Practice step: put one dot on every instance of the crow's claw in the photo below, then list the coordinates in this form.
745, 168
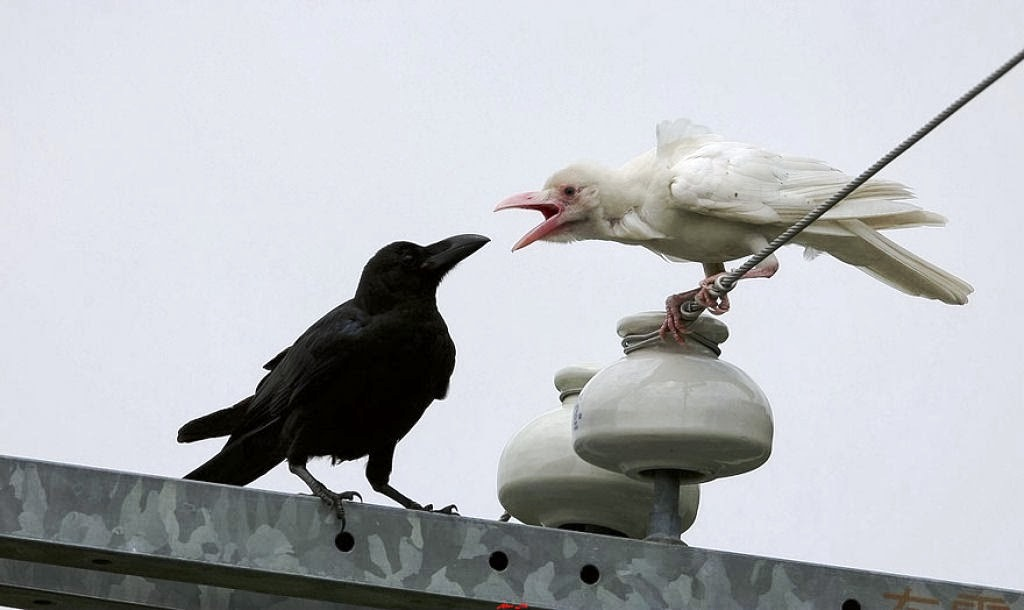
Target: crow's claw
451, 509
336, 501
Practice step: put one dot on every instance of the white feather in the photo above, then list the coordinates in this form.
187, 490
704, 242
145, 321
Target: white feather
698, 197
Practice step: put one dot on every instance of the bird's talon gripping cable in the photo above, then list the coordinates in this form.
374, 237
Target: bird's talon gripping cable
711, 296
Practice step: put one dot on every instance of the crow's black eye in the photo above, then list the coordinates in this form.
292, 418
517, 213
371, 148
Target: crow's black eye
569, 191
408, 258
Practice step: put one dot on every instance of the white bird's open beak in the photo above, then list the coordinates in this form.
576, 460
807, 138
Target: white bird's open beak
543, 202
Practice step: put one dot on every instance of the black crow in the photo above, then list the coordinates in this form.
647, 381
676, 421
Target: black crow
352, 385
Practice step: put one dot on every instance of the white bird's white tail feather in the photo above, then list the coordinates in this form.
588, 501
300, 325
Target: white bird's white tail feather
885, 260
892, 216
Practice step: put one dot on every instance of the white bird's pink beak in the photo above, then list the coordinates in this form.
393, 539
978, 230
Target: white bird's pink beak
541, 201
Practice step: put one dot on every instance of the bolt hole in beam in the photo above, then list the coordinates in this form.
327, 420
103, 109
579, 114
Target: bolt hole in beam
589, 574
498, 561
344, 542
850, 604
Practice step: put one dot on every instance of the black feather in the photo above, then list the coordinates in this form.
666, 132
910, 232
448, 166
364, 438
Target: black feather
353, 384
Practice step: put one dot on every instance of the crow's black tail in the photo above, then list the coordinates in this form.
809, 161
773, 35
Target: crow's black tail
243, 459
234, 466
218, 423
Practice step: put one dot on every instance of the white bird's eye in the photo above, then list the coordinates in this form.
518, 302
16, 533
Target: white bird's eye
569, 191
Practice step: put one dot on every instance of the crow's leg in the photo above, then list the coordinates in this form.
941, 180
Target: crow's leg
378, 472
331, 498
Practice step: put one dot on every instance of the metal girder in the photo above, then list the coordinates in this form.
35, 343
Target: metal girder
87, 538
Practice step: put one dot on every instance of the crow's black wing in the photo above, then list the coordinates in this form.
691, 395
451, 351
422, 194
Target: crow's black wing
331, 347
275, 360
256, 445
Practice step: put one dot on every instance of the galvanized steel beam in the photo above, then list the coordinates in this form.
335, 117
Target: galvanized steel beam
87, 538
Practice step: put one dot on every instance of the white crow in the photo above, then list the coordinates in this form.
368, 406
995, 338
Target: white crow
697, 197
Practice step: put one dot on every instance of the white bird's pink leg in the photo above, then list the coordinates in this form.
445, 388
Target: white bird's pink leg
674, 321
720, 305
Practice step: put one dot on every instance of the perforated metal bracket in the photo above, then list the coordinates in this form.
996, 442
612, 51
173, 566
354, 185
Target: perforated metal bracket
77, 537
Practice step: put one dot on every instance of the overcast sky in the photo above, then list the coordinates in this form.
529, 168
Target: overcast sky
185, 187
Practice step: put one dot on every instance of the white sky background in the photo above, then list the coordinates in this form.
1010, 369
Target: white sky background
184, 188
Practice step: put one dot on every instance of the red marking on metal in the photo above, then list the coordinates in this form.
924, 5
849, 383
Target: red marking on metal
965, 601
904, 599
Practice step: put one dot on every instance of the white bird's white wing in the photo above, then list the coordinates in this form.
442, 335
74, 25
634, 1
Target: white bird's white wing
751, 188
697, 197
674, 135
729, 181
743, 183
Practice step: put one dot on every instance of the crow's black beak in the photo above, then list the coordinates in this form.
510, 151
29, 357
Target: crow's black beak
445, 254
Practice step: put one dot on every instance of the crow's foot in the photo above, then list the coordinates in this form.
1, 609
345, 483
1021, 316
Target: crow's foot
451, 509
336, 501
331, 498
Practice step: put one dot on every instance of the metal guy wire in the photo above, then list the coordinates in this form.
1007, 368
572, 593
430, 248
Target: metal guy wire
728, 281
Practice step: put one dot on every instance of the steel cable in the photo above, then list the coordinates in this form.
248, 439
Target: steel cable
727, 282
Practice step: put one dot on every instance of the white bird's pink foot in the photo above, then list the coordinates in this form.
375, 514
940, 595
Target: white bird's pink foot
715, 304
676, 325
